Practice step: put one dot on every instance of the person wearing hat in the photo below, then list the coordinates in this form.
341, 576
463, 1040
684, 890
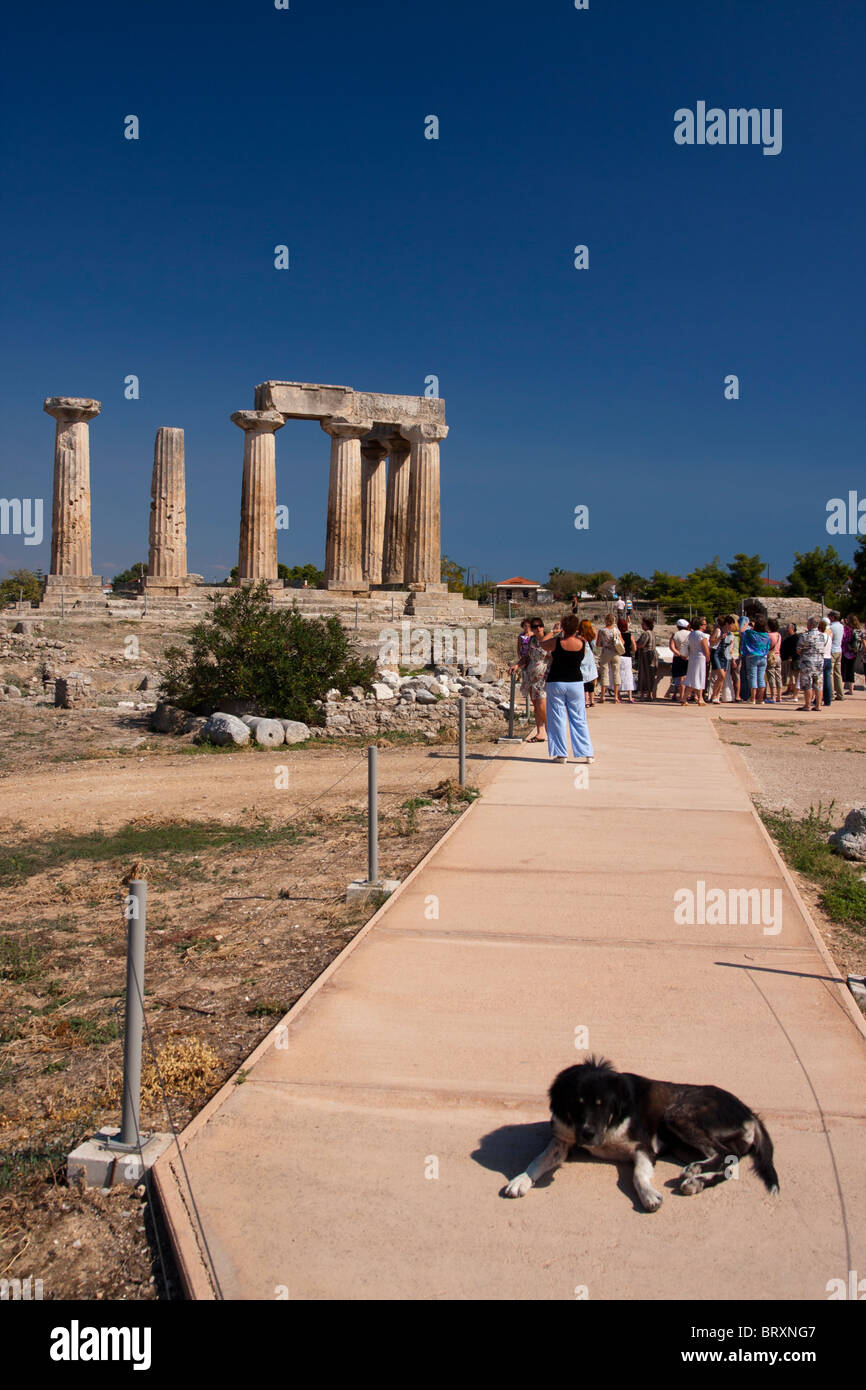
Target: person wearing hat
679, 645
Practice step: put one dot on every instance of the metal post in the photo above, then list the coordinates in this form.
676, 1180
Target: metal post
356, 615
392, 608
372, 814
511, 705
526, 709
461, 738
20, 597
137, 917
144, 614
509, 610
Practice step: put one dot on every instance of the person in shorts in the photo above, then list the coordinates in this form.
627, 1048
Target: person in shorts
810, 656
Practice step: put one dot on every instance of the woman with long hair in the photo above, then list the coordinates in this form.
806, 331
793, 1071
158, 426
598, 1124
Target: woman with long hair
566, 707
589, 635
533, 666
626, 664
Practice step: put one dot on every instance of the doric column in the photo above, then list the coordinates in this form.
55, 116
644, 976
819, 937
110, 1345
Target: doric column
424, 548
70, 529
257, 554
373, 489
397, 512
344, 568
167, 554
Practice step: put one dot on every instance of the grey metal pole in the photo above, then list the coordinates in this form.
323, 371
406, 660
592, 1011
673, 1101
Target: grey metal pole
144, 614
461, 738
137, 917
511, 705
372, 814
20, 597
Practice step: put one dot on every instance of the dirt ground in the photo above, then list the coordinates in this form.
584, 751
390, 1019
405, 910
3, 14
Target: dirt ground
240, 921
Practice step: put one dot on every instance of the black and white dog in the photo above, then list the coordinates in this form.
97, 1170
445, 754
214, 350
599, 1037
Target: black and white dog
618, 1115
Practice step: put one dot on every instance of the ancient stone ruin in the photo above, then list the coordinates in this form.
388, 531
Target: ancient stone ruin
384, 514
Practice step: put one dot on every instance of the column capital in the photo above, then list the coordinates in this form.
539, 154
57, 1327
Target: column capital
71, 409
261, 421
338, 427
427, 432
374, 449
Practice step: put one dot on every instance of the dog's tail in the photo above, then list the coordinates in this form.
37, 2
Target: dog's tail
762, 1157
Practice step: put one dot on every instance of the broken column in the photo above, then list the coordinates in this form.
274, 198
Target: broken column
396, 513
166, 561
257, 555
373, 491
344, 568
424, 547
70, 527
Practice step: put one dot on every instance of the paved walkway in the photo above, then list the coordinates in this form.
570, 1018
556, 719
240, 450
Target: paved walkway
364, 1155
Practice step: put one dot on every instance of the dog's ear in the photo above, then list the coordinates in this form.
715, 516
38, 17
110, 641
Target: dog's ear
622, 1097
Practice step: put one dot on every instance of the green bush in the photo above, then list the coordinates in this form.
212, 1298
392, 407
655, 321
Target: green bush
277, 660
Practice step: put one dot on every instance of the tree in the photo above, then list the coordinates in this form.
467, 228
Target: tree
452, 574
632, 584
599, 583
297, 574
857, 593
564, 583
130, 576
275, 659
11, 587
746, 574
819, 572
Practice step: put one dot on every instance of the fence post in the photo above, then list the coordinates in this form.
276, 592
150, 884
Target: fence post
372, 814
461, 738
136, 912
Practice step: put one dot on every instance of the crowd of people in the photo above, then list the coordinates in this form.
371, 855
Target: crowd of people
567, 671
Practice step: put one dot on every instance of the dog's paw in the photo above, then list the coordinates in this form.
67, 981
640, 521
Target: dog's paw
691, 1186
651, 1199
691, 1170
519, 1186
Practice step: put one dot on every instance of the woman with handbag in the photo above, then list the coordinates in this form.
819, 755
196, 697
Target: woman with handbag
588, 667
533, 664
610, 649
566, 708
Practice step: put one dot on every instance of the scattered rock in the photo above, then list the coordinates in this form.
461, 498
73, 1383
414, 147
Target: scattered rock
224, 729
295, 731
268, 733
851, 839
383, 690
169, 719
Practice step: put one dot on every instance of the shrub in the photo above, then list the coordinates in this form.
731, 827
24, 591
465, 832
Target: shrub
276, 659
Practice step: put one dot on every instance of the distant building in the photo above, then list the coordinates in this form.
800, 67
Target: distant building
517, 588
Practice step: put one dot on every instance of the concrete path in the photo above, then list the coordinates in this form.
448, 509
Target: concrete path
364, 1154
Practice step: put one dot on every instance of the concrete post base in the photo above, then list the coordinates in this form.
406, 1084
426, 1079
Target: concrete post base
360, 890
102, 1165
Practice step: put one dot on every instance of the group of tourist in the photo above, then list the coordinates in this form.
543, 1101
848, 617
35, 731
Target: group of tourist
575, 666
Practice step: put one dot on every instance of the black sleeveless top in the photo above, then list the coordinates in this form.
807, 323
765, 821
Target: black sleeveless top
565, 665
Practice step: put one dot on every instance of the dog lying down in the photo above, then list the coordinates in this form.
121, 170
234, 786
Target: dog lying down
617, 1116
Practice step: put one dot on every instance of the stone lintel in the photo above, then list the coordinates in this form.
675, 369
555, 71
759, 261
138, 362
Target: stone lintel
302, 400
71, 582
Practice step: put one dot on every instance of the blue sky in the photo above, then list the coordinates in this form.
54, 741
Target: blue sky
454, 257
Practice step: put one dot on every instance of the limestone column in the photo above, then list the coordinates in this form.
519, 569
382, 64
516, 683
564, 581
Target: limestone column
166, 558
257, 554
397, 512
344, 566
373, 491
70, 525
424, 547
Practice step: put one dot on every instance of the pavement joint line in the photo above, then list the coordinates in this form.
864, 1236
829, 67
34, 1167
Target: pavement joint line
495, 1100
494, 938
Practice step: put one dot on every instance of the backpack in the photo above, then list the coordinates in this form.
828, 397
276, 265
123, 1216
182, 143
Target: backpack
855, 641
